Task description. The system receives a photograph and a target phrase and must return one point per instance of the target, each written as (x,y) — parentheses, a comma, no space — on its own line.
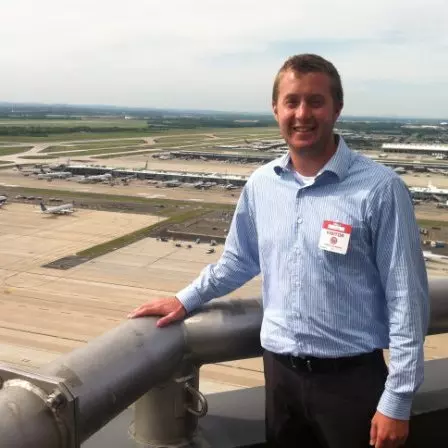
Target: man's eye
(316,102)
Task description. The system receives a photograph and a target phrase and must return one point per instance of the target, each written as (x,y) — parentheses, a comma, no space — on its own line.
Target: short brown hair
(311,63)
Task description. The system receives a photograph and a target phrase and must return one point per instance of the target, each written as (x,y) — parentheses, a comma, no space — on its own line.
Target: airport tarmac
(411,179)
(46,312)
(141,188)
(194,166)
(135,188)
(425,179)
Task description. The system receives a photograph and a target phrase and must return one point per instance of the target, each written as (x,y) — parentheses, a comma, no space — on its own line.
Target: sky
(223,55)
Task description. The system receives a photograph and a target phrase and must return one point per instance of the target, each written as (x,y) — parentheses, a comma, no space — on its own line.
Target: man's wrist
(397,406)
(189,298)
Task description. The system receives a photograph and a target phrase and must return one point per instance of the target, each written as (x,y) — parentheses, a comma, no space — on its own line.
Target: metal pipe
(167,415)
(114,370)
(26,421)
(225,330)
(438,293)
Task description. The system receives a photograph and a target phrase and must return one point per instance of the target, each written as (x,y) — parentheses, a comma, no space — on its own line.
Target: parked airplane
(171,183)
(126,179)
(96,178)
(431,191)
(442,205)
(59,166)
(202,185)
(28,171)
(55,175)
(63,209)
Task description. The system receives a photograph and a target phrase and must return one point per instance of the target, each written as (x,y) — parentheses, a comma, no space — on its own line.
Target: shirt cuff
(189,298)
(396,406)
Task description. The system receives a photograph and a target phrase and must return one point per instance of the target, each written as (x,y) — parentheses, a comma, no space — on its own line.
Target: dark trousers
(322,408)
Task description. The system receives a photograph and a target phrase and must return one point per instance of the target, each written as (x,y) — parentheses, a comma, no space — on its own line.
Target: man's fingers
(387,432)
(373,434)
(164,321)
(143,310)
(170,309)
(135,313)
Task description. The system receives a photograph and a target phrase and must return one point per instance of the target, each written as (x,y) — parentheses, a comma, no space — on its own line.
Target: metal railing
(68,400)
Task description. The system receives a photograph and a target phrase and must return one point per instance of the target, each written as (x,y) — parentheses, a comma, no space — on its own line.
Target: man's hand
(170,308)
(386,432)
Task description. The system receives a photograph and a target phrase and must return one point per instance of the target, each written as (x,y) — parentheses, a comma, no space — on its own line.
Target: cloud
(219,54)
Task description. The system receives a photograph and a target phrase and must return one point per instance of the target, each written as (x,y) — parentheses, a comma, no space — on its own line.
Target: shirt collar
(283,163)
(339,163)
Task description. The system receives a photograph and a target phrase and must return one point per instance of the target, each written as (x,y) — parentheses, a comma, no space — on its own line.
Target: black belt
(326,365)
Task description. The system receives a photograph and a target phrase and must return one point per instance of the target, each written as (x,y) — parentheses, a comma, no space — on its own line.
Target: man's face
(305,111)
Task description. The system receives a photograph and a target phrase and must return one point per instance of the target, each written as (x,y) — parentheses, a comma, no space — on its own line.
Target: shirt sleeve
(401,267)
(237,265)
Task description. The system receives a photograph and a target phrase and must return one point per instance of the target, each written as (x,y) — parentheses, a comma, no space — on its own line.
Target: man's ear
(337,112)
(275,111)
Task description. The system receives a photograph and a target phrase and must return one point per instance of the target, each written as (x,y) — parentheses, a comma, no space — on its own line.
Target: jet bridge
(149,375)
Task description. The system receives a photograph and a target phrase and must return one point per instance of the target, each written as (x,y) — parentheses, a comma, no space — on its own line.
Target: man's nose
(303,110)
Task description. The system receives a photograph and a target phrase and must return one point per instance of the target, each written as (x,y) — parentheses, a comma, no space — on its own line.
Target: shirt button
(300,220)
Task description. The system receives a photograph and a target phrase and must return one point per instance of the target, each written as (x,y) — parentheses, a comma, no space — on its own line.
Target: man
(335,239)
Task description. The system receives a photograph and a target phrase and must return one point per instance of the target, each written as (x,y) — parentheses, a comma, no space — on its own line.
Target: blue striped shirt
(325,304)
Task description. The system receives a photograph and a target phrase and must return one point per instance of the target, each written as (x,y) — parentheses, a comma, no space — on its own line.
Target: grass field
(43,156)
(109,152)
(126,240)
(8,150)
(171,207)
(93,123)
(180,139)
(75,136)
(94,145)
(431,223)
(175,143)
(215,148)
(113,156)
(243,132)
(85,149)
(92,152)
(268,132)
(124,144)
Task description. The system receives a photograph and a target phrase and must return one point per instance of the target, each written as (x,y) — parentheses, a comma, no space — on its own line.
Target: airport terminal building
(414,148)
